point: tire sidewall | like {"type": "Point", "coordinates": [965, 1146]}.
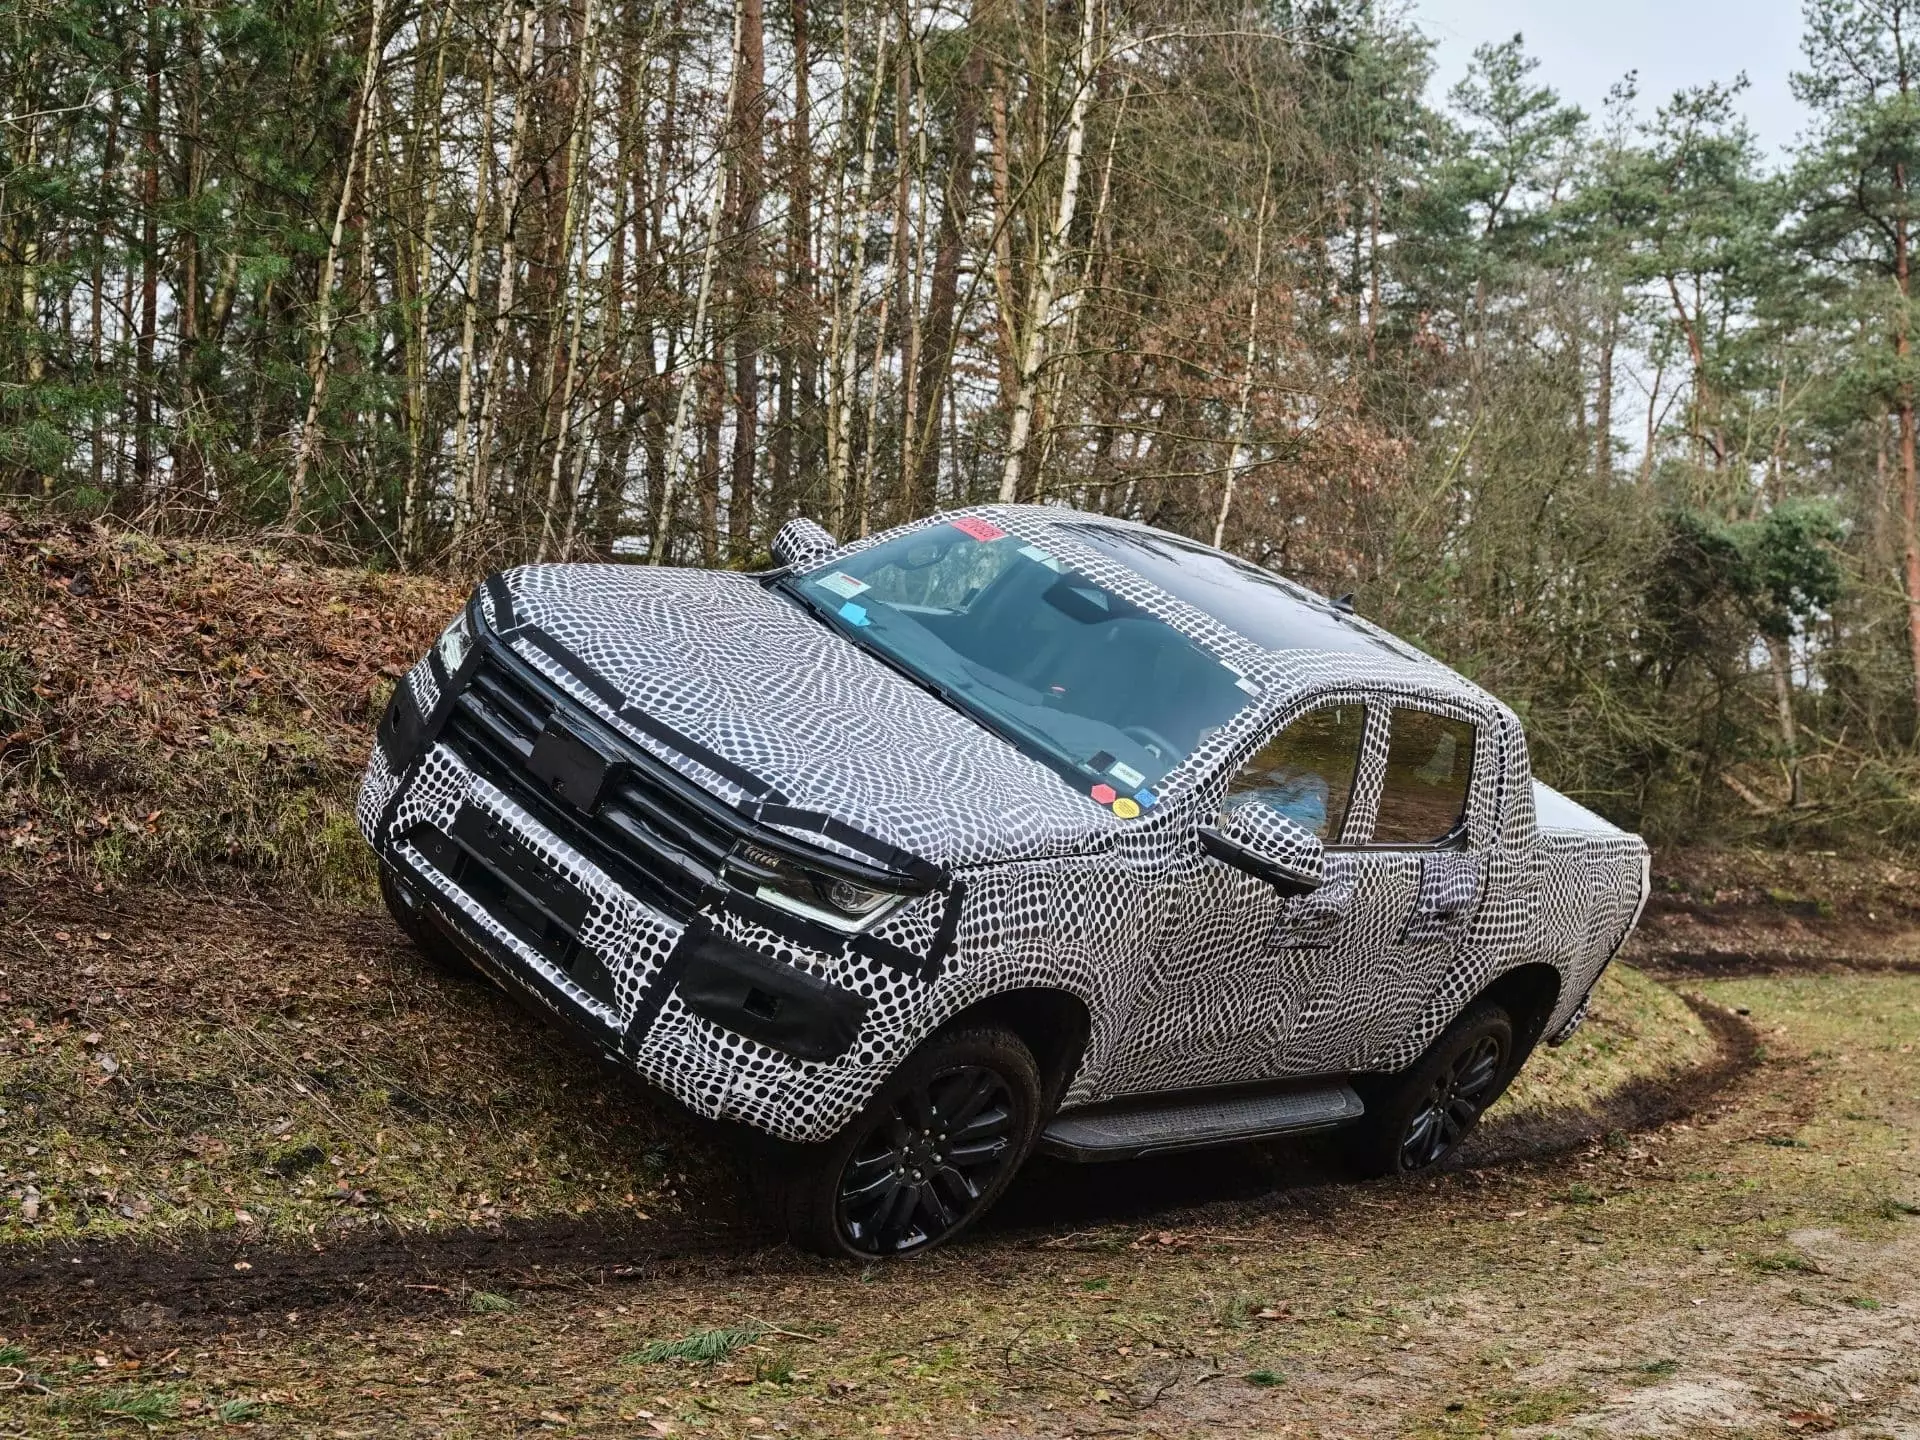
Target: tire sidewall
{"type": "Point", "coordinates": [1393, 1100]}
{"type": "Point", "coordinates": [812, 1172]}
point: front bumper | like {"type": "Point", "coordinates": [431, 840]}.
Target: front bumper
{"type": "Point", "coordinates": [606, 907]}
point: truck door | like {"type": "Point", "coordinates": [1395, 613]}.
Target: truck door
{"type": "Point", "coordinates": [1237, 963]}
{"type": "Point", "coordinates": [1418, 873]}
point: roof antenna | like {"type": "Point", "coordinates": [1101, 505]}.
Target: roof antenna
{"type": "Point", "coordinates": [1345, 604]}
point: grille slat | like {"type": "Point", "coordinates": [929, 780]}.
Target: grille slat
{"type": "Point", "coordinates": [656, 832]}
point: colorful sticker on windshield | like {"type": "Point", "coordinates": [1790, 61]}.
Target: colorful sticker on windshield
{"type": "Point", "coordinates": [979, 529]}
{"type": "Point", "coordinates": [1041, 557]}
{"type": "Point", "coordinates": [854, 614]}
{"type": "Point", "coordinates": [1126, 774]}
{"type": "Point", "coordinates": [1105, 794]}
{"type": "Point", "coordinates": [1125, 808]}
{"type": "Point", "coordinates": [843, 585]}
{"type": "Point", "coordinates": [1144, 798]}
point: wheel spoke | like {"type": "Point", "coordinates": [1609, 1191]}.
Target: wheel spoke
{"type": "Point", "coordinates": [983, 1084]}
{"type": "Point", "coordinates": [959, 1185]}
{"type": "Point", "coordinates": [896, 1212]}
{"type": "Point", "coordinates": [976, 1152]}
{"type": "Point", "coordinates": [935, 1209]}
{"type": "Point", "coordinates": [986, 1123]}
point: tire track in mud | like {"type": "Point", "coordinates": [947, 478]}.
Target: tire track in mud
{"type": "Point", "coordinates": [145, 1291]}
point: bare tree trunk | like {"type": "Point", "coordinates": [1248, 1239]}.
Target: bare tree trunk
{"type": "Point", "coordinates": [1041, 300]}
{"type": "Point", "coordinates": [491, 396]}
{"type": "Point", "coordinates": [470, 294]}
{"type": "Point", "coordinates": [1603, 395]}
{"type": "Point", "coordinates": [799, 376]}
{"type": "Point", "coordinates": [323, 322]}
{"type": "Point", "coordinates": [843, 341]}
{"type": "Point", "coordinates": [572, 221]}
{"type": "Point", "coordinates": [428, 110]}
{"type": "Point", "coordinates": [749, 276]}
{"type": "Point", "coordinates": [675, 460]}
{"type": "Point", "coordinates": [921, 484]}
{"type": "Point", "coordinates": [144, 402]}
{"type": "Point", "coordinates": [1243, 409]}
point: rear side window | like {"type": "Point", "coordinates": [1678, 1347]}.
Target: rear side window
{"type": "Point", "coordinates": [1306, 771]}
{"type": "Point", "coordinates": [1429, 762]}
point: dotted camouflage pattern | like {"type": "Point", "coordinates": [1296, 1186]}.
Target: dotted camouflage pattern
{"type": "Point", "coordinates": [1192, 972]}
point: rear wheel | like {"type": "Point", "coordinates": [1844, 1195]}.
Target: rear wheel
{"type": "Point", "coordinates": [409, 913]}
{"type": "Point", "coordinates": [1418, 1118]}
{"type": "Point", "coordinates": [930, 1154]}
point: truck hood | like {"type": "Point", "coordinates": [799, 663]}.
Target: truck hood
{"type": "Point", "coordinates": [748, 675]}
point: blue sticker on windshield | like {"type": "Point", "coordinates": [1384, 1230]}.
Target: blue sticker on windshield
{"type": "Point", "coordinates": [1144, 798]}
{"type": "Point", "coordinates": [854, 614]}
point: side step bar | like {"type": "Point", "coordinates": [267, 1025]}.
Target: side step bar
{"type": "Point", "coordinates": [1128, 1129]}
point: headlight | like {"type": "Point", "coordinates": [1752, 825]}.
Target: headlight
{"type": "Point", "coordinates": [829, 899]}
{"type": "Point", "coordinates": [455, 644]}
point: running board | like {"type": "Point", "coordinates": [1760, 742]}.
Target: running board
{"type": "Point", "coordinates": [1126, 1130]}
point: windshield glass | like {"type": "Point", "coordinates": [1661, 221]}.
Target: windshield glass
{"type": "Point", "coordinates": [1268, 610]}
{"type": "Point", "coordinates": [1070, 672]}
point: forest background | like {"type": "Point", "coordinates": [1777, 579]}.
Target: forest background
{"type": "Point", "coordinates": [1611, 411]}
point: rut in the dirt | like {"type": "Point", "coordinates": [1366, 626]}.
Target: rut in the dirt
{"type": "Point", "coordinates": [132, 1289]}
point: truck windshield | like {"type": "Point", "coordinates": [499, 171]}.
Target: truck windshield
{"type": "Point", "coordinates": [1068, 671]}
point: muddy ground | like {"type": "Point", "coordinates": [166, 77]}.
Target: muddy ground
{"type": "Point", "coordinates": [285, 1179]}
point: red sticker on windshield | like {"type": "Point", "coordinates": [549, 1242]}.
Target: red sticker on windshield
{"type": "Point", "coordinates": [1105, 794]}
{"type": "Point", "coordinates": [979, 529]}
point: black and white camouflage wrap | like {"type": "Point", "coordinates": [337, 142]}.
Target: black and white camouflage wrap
{"type": "Point", "coordinates": [1192, 972]}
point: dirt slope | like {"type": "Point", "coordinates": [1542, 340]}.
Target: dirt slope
{"type": "Point", "coordinates": [193, 710]}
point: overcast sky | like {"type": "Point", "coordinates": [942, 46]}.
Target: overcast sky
{"type": "Point", "coordinates": [1585, 45]}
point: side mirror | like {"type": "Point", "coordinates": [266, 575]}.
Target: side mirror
{"type": "Point", "coordinates": [1256, 838]}
{"type": "Point", "coordinates": [801, 544]}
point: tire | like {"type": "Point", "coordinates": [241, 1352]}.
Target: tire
{"type": "Point", "coordinates": [413, 923]}
{"type": "Point", "coordinates": [1418, 1117]}
{"type": "Point", "coordinates": [893, 1181]}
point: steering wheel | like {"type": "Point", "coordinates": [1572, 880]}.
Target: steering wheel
{"type": "Point", "coordinates": [1152, 740]}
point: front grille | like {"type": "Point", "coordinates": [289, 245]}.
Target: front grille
{"type": "Point", "coordinates": [656, 832]}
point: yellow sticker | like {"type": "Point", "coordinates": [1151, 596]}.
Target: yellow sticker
{"type": "Point", "coordinates": [1125, 808]}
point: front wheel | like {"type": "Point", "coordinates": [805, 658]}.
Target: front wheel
{"type": "Point", "coordinates": [929, 1155]}
{"type": "Point", "coordinates": [409, 913]}
{"type": "Point", "coordinates": [1419, 1117]}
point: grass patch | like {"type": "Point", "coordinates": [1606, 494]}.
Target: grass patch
{"type": "Point", "coordinates": [12, 1355]}
{"type": "Point", "coordinates": [238, 1412]}
{"type": "Point", "coordinates": [1637, 1029]}
{"type": "Point", "coordinates": [1265, 1377]}
{"type": "Point", "coordinates": [132, 1403]}
{"type": "Point", "coordinates": [775, 1369]}
{"type": "Point", "coordinates": [485, 1302]}
{"type": "Point", "coordinates": [703, 1346]}
{"type": "Point", "coordinates": [1784, 1261]}
{"type": "Point", "coordinates": [1659, 1369]}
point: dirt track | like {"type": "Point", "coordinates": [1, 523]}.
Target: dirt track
{"type": "Point", "coordinates": [1738, 1237]}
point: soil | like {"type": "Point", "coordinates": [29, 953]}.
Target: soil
{"type": "Point", "coordinates": [1727, 1246]}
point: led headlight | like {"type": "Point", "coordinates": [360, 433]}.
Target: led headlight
{"type": "Point", "coordinates": [828, 899]}
{"type": "Point", "coordinates": [455, 644]}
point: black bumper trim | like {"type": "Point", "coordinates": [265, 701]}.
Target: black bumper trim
{"type": "Point", "coordinates": [764, 1000]}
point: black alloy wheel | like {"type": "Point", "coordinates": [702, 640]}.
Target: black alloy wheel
{"type": "Point", "coordinates": [1463, 1089]}
{"type": "Point", "coordinates": [930, 1153]}
{"type": "Point", "coordinates": [1417, 1117]}
{"type": "Point", "coordinates": [923, 1167]}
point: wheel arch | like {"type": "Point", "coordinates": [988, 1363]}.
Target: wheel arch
{"type": "Point", "coordinates": [1529, 994]}
{"type": "Point", "coordinates": [1054, 1024]}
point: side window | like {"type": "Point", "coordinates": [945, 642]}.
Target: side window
{"type": "Point", "coordinates": [1306, 771]}
{"type": "Point", "coordinates": [1429, 762]}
